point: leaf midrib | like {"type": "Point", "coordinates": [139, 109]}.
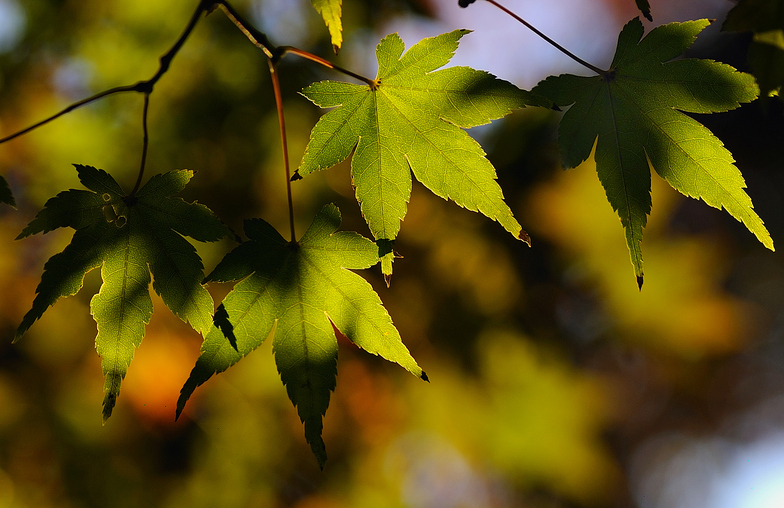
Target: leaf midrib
{"type": "Point", "coordinates": [643, 113]}
{"type": "Point", "coordinates": [636, 242]}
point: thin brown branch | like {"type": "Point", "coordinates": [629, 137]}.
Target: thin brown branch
{"type": "Point", "coordinates": [70, 108]}
{"type": "Point", "coordinates": [284, 144]}
{"type": "Point", "coordinates": [144, 87]}
{"type": "Point", "coordinates": [145, 143]}
{"type": "Point", "coordinates": [257, 38]}
{"type": "Point", "coordinates": [550, 41]}
{"type": "Point", "coordinates": [275, 53]}
{"type": "Point", "coordinates": [284, 50]}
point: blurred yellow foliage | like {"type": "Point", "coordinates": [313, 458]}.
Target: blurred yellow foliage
{"type": "Point", "coordinates": [681, 307]}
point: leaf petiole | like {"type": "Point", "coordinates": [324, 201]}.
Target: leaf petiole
{"type": "Point", "coordinates": [326, 63]}
{"type": "Point", "coordinates": [145, 143]}
{"type": "Point", "coordinates": [284, 144]}
{"type": "Point", "coordinates": [275, 53]}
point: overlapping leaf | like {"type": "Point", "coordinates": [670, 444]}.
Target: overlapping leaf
{"type": "Point", "coordinates": [128, 237]}
{"type": "Point", "coordinates": [766, 60]}
{"type": "Point", "coordinates": [632, 115]}
{"type": "Point", "coordinates": [766, 52]}
{"type": "Point", "coordinates": [755, 15]}
{"type": "Point", "coordinates": [299, 291]}
{"type": "Point", "coordinates": [5, 193]}
{"type": "Point", "coordinates": [410, 120]}
{"type": "Point", "coordinates": [332, 12]}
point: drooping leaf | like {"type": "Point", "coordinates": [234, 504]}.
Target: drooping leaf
{"type": "Point", "coordinates": [298, 292]}
{"type": "Point", "coordinates": [645, 8]}
{"type": "Point", "coordinates": [766, 52]}
{"type": "Point", "coordinates": [128, 237]}
{"type": "Point", "coordinates": [632, 115]}
{"type": "Point", "coordinates": [332, 11]}
{"type": "Point", "coordinates": [766, 59]}
{"type": "Point", "coordinates": [410, 120]}
{"type": "Point", "coordinates": [5, 193]}
{"type": "Point", "coordinates": [755, 16]}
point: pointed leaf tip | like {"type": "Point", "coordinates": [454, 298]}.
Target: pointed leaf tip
{"type": "Point", "coordinates": [525, 237]}
{"type": "Point", "coordinates": [109, 402]}
{"type": "Point", "coordinates": [332, 12]}
{"type": "Point", "coordinates": [5, 193]}
{"type": "Point", "coordinates": [639, 282]}
{"type": "Point", "coordinates": [645, 7]}
{"type": "Point", "coordinates": [424, 377]}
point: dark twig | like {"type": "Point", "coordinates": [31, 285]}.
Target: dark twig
{"type": "Point", "coordinates": [145, 142]}
{"type": "Point", "coordinates": [284, 50]}
{"type": "Point", "coordinates": [275, 53]}
{"type": "Point", "coordinates": [284, 144]}
{"type": "Point", "coordinates": [550, 41]}
{"type": "Point", "coordinates": [257, 38]}
{"type": "Point", "coordinates": [70, 108]}
{"type": "Point", "coordinates": [141, 87]}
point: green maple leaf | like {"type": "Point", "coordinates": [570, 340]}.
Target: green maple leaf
{"type": "Point", "coordinates": [298, 291]}
{"type": "Point", "coordinates": [766, 52]}
{"type": "Point", "coordinates": [128, 237]}
{"type": "Point", "coordinates": [5, 193]}
{"type": "Point", "coordinates": [331, 11]}
{"type": "Point", "coordinates": [410, 121]}
{"type": "Point", "coordinates": [766, 59]}
{"type": "Point", "coordinates": [632, 113]}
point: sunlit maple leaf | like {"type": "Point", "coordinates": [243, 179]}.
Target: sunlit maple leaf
{"type": "Point", "coordinates": [408, 121]}
{"type": "Point", "coordinates": [332, 11]}
{"type": "Point", "coordinates": [632, 113]}
{"type": "Point", "coordinates": [298, 291]}
{"type": "Point", "coordinates": [128, 237]}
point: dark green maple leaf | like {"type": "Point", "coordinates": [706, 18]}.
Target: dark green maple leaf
{"type": "Point", "coordinates": [766, 59]}
{"type": "Point", "coordinates": [755, 15]}
{"type": "Point", "coordinates": [410, 121]}
{"type": "Point", "coordinates": [5, 193]}
{"type": "Point", "coordinates": [298, 291]}
{"type": "Point", "coordinates": [128, 237]}
{"type": "Point", "coordinates": [766, 52]}
{"type": "Point", "coordinates": [632, 115]}
{"type": "Point", "coordinates": [645, 8]}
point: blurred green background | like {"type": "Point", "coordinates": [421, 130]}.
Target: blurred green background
{"type": "Point", "coordinates": [554, 382]}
